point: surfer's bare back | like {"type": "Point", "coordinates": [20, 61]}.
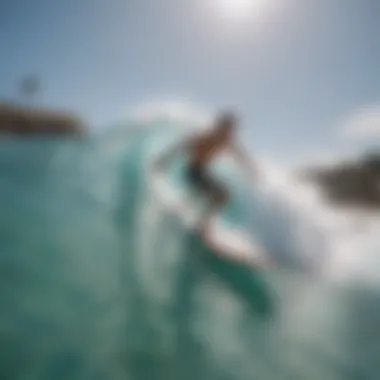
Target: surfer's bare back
{"type": "Point", "coordinates": [201, 150]}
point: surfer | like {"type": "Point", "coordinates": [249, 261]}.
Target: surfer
{"type": "Point", "coordinates": [201, 150]}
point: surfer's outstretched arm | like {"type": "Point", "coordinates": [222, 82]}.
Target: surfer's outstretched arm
{"type": "Point", "coordinates": [244, 160]}
{"type": "Point", "coordinates": [179, 148]}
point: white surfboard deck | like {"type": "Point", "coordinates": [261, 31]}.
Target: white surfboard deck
{"type": "Point", "coordinates": [233, 244]}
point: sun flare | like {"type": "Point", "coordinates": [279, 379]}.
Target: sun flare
{"type": "Point", "coordinates": [240, 8]}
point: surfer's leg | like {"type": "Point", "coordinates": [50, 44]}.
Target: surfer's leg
{"type": "Point", "coordinates": [214, 191]}
{"type": "Point", "coordinates": [218, 197]}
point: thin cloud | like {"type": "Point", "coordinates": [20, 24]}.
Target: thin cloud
{"type": "Point", "coordinates": [364, 123]}
{"type": "Point", "coordinates": [174, 111]}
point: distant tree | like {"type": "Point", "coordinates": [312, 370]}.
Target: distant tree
{"type": "Point", "coordinates": [29, 87]}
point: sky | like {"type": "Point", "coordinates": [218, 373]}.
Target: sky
{"type": "Point", "coordinates": [303, 75]}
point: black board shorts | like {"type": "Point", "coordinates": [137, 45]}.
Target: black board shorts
{"type": "Point", "coordinates": [199, 179]}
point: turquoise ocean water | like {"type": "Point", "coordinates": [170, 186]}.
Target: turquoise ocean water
{"type": "Point", "coordinates": [98, 281]}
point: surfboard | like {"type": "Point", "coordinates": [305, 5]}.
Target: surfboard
{"type": "Point", "coordinates": [231, 243]}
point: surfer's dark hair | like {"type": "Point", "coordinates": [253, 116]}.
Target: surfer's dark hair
{"type": "Point", "coordinates": [226, 118]}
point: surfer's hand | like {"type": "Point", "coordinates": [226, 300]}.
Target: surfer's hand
{"type": "Point", "coordinates": [257, 174]}
{"type": "Point", "coordinates": [254, 177]}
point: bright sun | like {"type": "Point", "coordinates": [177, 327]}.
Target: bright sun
{"type": "Point", "coordinates": [240, 8]}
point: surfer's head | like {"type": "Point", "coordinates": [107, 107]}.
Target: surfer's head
{"type": "Point", "coordinates": [226, 124]}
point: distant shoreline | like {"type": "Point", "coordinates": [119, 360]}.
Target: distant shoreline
{"type": "Point", "coordinates": [354, 184]}
{"type": "Point", "coordinates": [21, 120]}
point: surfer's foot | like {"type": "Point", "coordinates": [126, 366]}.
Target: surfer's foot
{"type": "Point", "coordinates": [265, 262]}
{"type": "Point", "coordinates": [204, 226]}
{"type": "Point", "coordinates": [206, 222]}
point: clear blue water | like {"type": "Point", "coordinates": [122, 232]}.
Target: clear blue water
{"type": "Point", "coordinates": [97, 281]}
